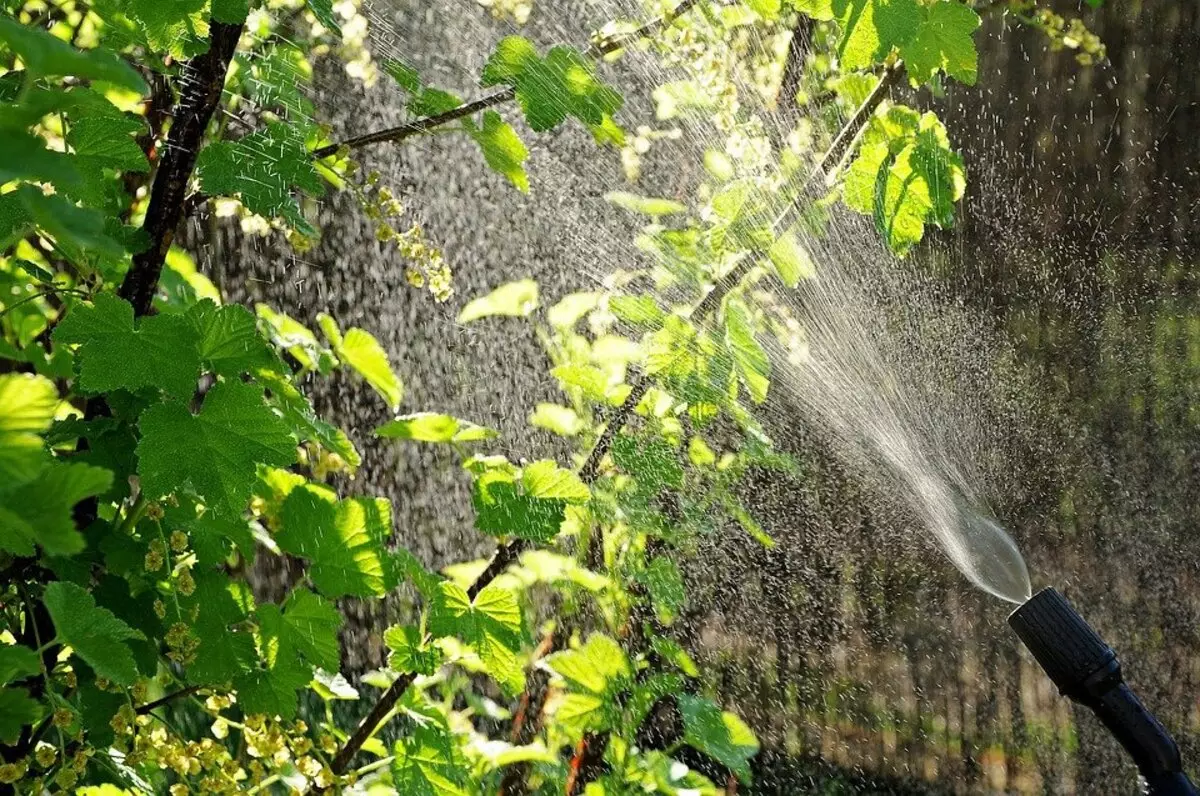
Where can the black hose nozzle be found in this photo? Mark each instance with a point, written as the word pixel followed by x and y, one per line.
pixel 1086 670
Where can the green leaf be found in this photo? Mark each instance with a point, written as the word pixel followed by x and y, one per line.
pixel 665 585
pixel 228 340
pixel 313 624
pixel 214 538
pixel 491 624
pixel 272 691
pixel 95 634
pixel 17 711
pixel 411 652
pixel 48 56
pixel 595 673
pixel 425 761
pixel 641 310
pixel 217 451
pixel 652 462
pixel 791 260
pixel 261 170
pixel 366 357
pixel 407 77
pixel 944 42
pixel 363 353
pixel 27 407
pixel 115 353
pixel 513 56
pixel 551 89
pixel 571 307
pixel 233 12
pixel 17 663
pixel 502 510
pixel 546 480
pixel 39 511
pixel 433 427
pixel 719 734
pixel 108 141
pixel 222 607
pixel 297 340
pixel 299 414
pixel 178 27
pixel 80 232
pixel 870 29
pixel 502 148
pixel 516 299
pixel 558 419
pixel 907 176
pixel 598 667
pixel 749 358
pixel 647 206
pixel 593 383
pixel 24 156
pixel 343 540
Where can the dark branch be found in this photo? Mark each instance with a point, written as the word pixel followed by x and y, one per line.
pixel 842 143
pixel 158 703
pixel 424 125
pixel 202 80
pixel 409 129
pixel 654 26
pixel 366 728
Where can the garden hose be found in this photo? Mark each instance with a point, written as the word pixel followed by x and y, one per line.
pixel 1087 671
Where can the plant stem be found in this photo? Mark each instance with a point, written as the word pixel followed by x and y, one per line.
pixel 367 727
pixel 201 84
pixel 428 123
pixel 183 692
pixel 409 129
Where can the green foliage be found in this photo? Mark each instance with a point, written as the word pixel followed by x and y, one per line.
pixel 115 354
pixel 343 540
pixel 262 170
pixel 515 299
pixel 226 440
pixel 93 633
pixel 550 89
pixel 502 148
pixel 147 460
pixel 906 176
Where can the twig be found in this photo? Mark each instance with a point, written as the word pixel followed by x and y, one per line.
pixel 857 123
pixel 202 80
pixel 424 125
pixel 158 703
pixel 617 42
pixel 366 728
pixel 409 129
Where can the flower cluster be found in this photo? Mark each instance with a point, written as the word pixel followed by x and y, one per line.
pixel 425 265
pixel 516 10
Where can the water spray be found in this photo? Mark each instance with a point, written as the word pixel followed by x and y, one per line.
pixel 1086 670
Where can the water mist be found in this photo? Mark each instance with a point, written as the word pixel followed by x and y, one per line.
pixel 847 384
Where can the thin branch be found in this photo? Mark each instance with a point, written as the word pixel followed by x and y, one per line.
pixel 158 703
pixel 424 125
pixel 842 143
pixel 202 80
pixel 409 129
pixel 654 26
pixel 366 728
